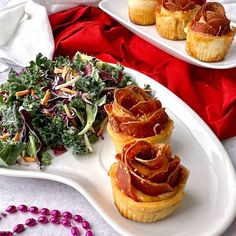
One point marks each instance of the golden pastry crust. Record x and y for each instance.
(142, 12)
(171, 24)
(151, 208)
(120, 140)
(208, 48)
(134, 115)
(209, 35)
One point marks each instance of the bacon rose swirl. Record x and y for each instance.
(147, 168)
(136, 114)
(211, 19)
(177, 5)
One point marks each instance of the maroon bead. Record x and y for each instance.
(85, 224)
(67, 215)
(45, 211)
(56, 213)
(23, 208)
(18, 228)
(89, 233)
(8, 233)
(34, 210)
(78, 218)
(43, 220)
(30, 222)
(55, 220)
(74, 231)
(11, 209)
(66, 222)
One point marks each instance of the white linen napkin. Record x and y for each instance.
(29, 33)
(230, 8)
(53, 6)
(26, 31)
(10, 16)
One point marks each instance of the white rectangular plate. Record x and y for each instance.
(119, 11)
(209, 205)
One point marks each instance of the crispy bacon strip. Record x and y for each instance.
(211, 19)
(136, 114)
(146, 128)
(124, 180)
(178, 5)
(148, 168)
(150, 188)
(145, 107)
(125, 99)
(164, 174)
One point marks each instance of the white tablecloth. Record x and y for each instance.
(44, 193)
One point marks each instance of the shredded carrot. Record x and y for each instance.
(69, 115)
(70, 91)
(46, 97)
(16, 137)
(5, 136)
(29, 159)
(58, 70)
(32, 92)
(102, 126)
(66, 70)
(22, 93)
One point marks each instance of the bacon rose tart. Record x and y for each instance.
(147, 182)
(172, 16)
(142, 12)
(209, 35)
(134, 116)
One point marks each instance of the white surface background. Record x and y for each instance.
(53, 195)
(45, 193)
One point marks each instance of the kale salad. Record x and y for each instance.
(56, 104)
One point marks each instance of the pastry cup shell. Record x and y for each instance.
(171, 24)
(146, 211)
(142, 12)
(120, 140)
(206, 47)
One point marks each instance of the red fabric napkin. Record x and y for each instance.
(211, 93)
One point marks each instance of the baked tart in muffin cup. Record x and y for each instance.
(134, 115)
(172, 16)
(142, 12)
(147, 181)
(209, 35)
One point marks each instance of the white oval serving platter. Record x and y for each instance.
(119, 11)
(209, 205)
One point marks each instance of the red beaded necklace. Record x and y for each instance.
(55, 217)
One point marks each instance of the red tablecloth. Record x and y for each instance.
(211, 93)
